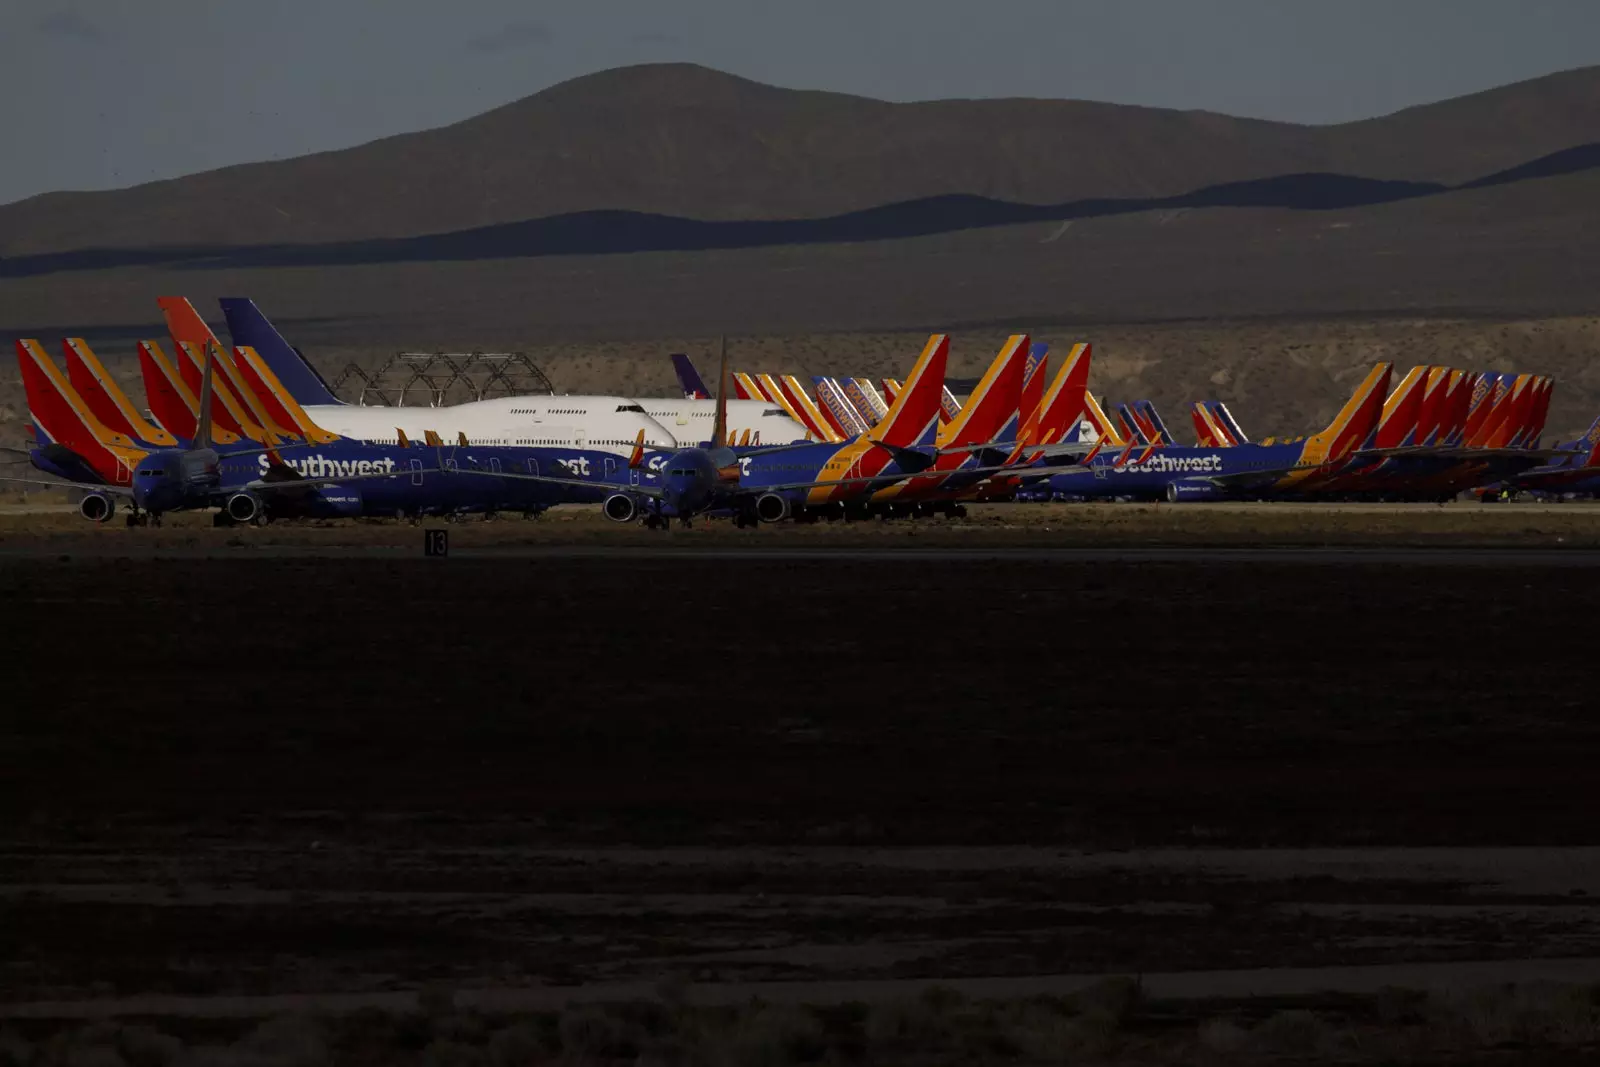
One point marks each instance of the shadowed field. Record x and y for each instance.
(353, 778)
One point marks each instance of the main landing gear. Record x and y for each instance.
(143, 518)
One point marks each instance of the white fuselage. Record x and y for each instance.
(691, 421)
(605, 423)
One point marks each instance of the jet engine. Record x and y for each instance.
(243, 507)
(1186, 491)
(620, 507)
(97, 507)
(772, 507)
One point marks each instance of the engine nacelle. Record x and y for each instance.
(1182, 492)
(772, 507)
(243, 507)
(97, 507)
(620, 507)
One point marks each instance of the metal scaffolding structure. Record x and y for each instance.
(435, 379)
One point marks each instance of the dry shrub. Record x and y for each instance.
(767, 1035)
(1294, 1033)
(1533, 1014)
(1040, 1030)
(522, 1044)
(286, 1041)
(447, 1053)
(1224, 1037)
(144, 1046)
(1119, 996)
(901, 1022)
(590, 1030)
(15, 1051)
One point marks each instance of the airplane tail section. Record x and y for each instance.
(1207, 432)
(171, 401)
(745, 387)
(1103, 426)
(1402, 410)
(1031, 408)
(1456, 406)
(949, 406)
(810, 415)
(1515, 415)
(913, 418)
(994, 400)
(66, 419)
(891, 389)
(226, 411)
(688, 377)
(1154, 425)
(1431, 411)
(1487, 396)
(107, 400)
(1541, 414)
(1220, 413)
(1355, 421)
(1061, 407)
(250, 329)
(276, 398)
(866, 398)
(841, 415)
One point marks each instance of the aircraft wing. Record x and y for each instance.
(119, 490)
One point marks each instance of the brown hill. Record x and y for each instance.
(686, 141)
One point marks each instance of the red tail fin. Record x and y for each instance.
(913, 418)
(1355, 421)
(1206, 433)
(171, 400)
(1063, 404)
(994, 400)
(276, 398)
(66, 418)
(1402, 409)
(106, 398)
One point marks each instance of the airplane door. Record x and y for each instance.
(633, 475)
(494, 464)
(611, 467)
(533, 466)
(416, 472)
(124, 472)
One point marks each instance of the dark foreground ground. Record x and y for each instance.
(568, 778)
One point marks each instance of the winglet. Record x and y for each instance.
(461, 438)
(638, 452)
(405, 442)
(431, 439)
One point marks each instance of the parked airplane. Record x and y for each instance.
(579, 421)
(1240, 471)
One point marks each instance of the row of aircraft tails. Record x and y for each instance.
(252, 430)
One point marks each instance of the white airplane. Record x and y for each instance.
(605, 423)
(753, 422)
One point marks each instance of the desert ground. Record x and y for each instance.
(407, 809)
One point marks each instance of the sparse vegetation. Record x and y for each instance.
(1508, 1021)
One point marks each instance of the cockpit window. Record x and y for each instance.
(631, 407)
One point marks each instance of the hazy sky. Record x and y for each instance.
(105, 93)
